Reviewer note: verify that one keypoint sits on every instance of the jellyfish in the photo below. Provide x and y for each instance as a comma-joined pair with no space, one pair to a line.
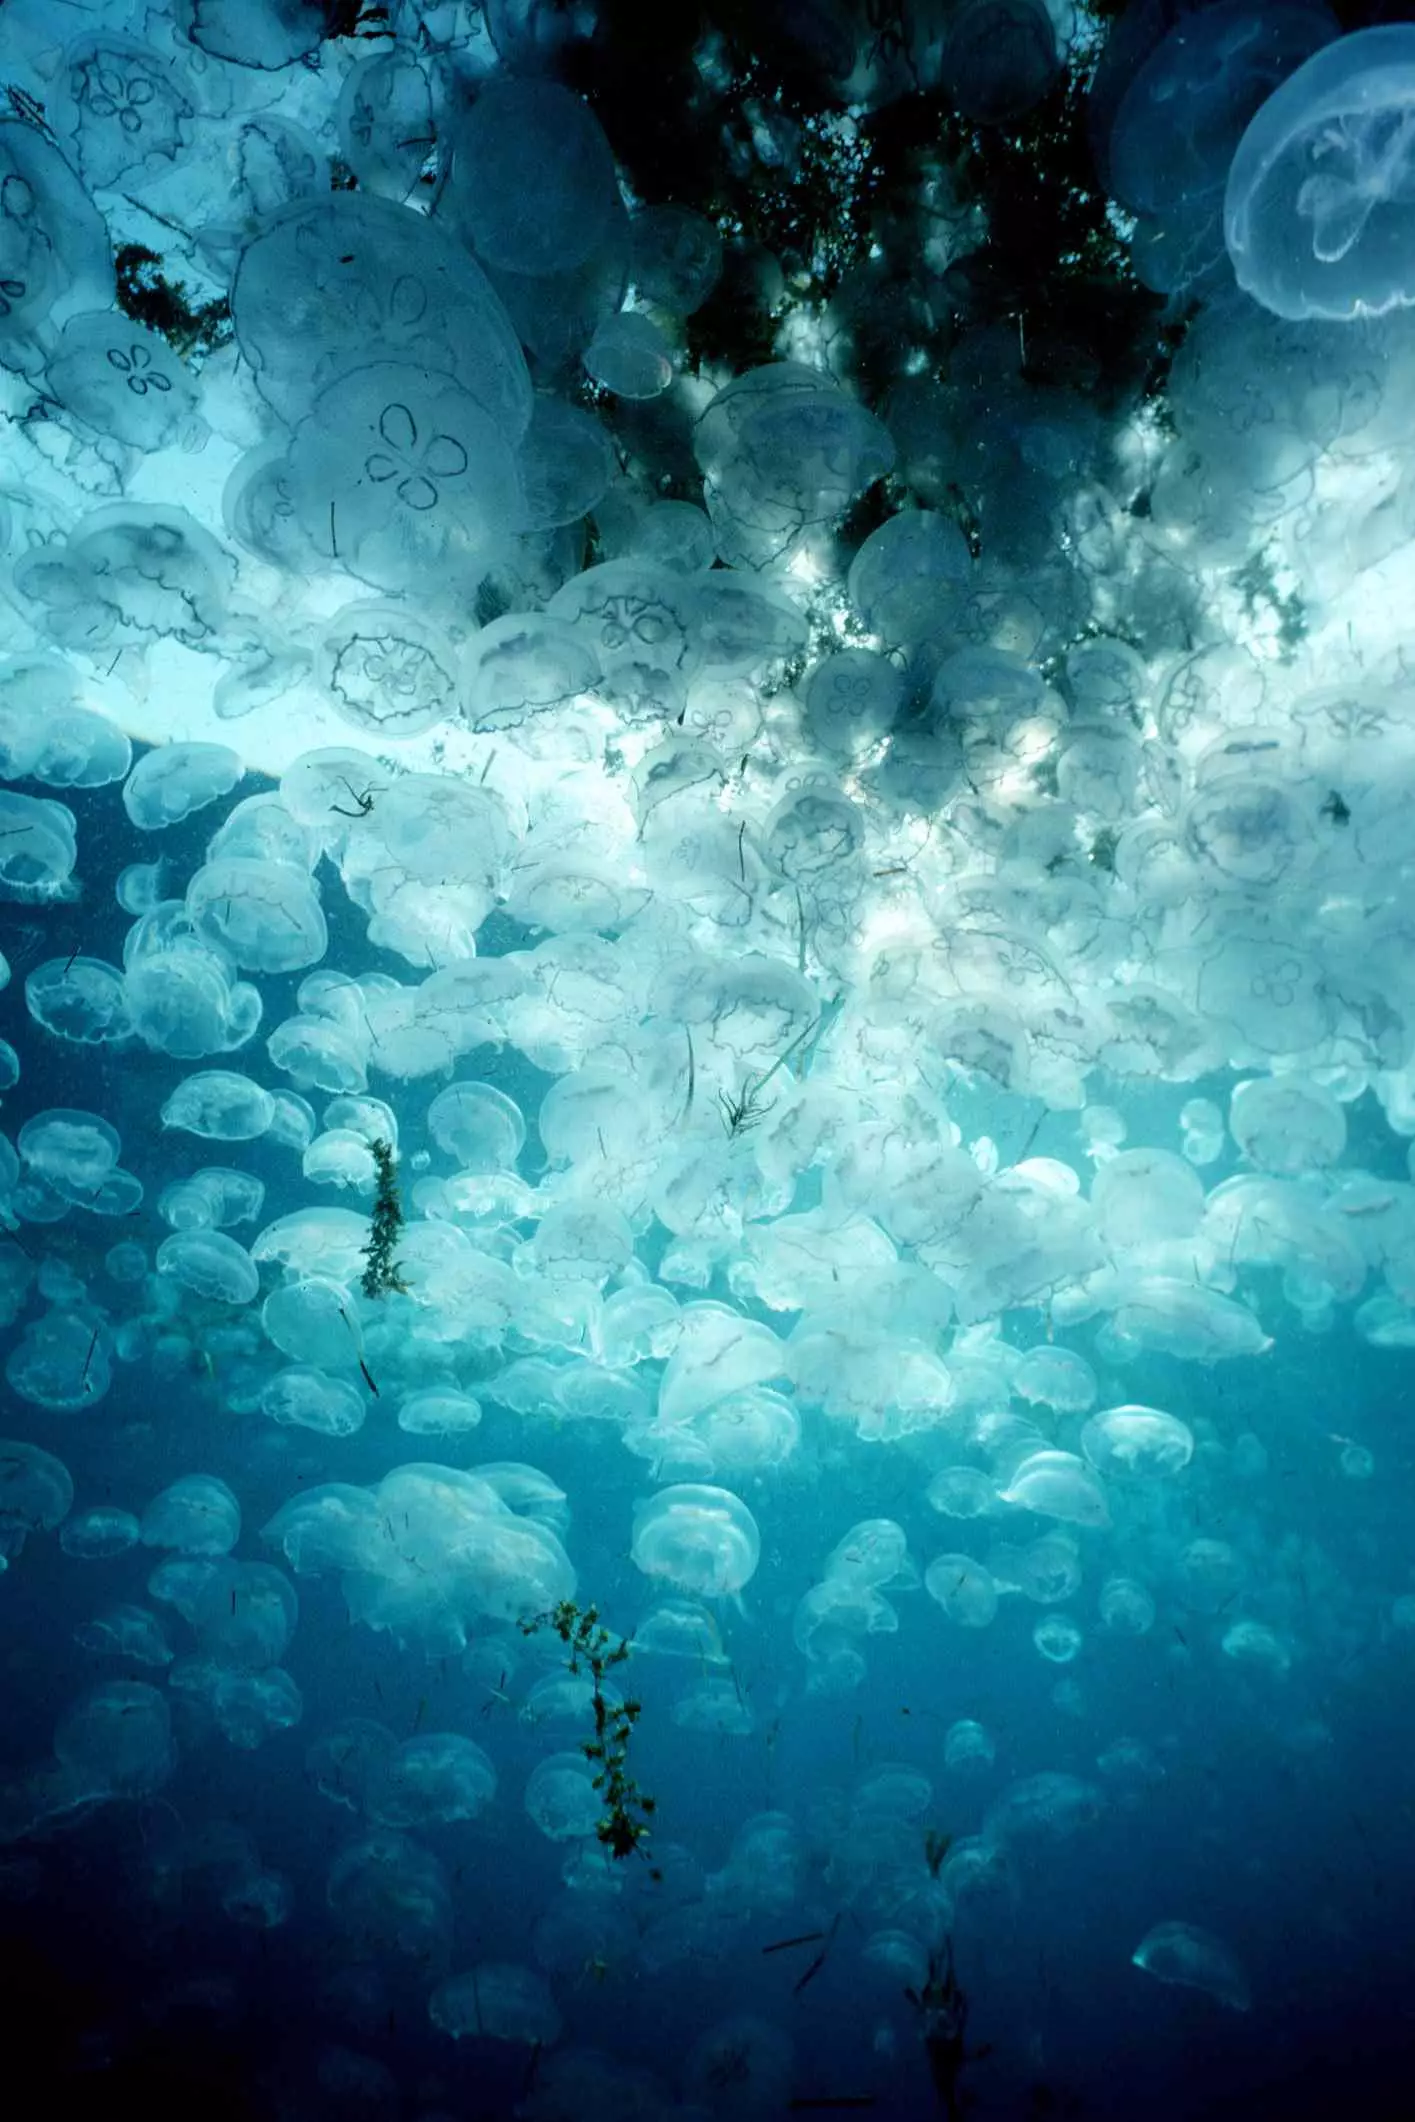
1058,1485
123,380
561,1798
1186,1954
497,2001
55,256
219,1105
197,1515
209,1264
699,1539
1316,211
431,1778
36,1493
1137,1442
118,1739
965,1590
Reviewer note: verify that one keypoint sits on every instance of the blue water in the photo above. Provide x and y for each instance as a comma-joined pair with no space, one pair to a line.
1110,822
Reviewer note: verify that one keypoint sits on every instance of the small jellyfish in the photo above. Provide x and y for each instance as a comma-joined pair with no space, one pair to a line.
210,1265
94,1534
871,1553
561,1798
220,1105
1057,1484
118,1738
701,1540
968,1746
963,1588
36,1492
245,1615
1058,1639
630,356
431,1778
1137,1442
1195,1958
1126,1608
477,1125
304,1397
497,2001
196,1515
126,1632
439,1413
174,780
961,1492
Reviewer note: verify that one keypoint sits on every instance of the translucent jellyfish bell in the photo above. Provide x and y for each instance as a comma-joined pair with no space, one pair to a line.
119,1738
343,281
478,1125
1316,212
126,1632
80,999
968,1746
961,1492
249,1707
678,1629
435,1413
1056,1377
1057,1638
1142,1196
535,177
1287,1124
267,915
746,1430
1126,1607
122,380
432,1778
566,461
965,1590
245,1615
98,1532
220,1105
210,1265
1183,114
388,1894
168,784
304,1397
55,257
871,1553
1141,1442
35,1490
561,1798
1195,1958
699,1539
63,1360
630,356
345,1761
497,2001
197,1515
443,488
38,847
72,1151
1058,1485
211,1199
